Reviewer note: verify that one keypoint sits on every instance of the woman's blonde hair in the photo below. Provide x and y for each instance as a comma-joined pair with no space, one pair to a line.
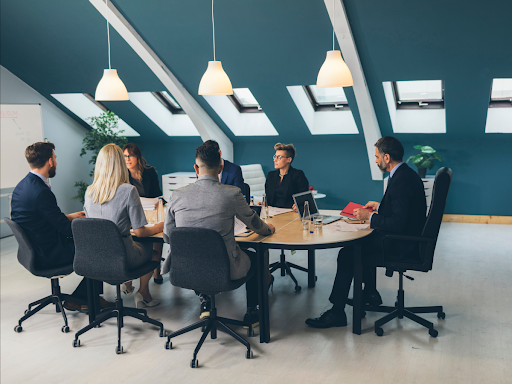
110,172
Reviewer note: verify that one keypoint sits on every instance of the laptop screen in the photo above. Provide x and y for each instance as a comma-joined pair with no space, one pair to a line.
299,200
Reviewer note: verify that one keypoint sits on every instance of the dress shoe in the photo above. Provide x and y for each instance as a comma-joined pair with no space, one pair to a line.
158,280
104,304
125,290
72,306
372,298
328,319
143,303
252,317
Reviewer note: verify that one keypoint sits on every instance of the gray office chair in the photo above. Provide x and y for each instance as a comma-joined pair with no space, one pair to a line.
100,254
27,258
426,246
203,266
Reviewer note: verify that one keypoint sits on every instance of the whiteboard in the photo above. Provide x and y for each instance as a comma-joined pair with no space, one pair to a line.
21,125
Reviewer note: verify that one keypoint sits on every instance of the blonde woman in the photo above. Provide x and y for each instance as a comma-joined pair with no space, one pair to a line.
112,197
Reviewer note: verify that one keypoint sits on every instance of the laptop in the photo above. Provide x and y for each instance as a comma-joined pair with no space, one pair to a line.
299,200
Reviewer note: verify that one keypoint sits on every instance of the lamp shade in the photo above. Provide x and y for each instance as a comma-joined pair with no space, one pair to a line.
334,72
215,81
110,87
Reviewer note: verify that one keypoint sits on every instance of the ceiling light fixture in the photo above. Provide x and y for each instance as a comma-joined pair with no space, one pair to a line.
110,87
215,81
334,71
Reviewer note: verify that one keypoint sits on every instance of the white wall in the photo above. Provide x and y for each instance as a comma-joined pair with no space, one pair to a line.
60,129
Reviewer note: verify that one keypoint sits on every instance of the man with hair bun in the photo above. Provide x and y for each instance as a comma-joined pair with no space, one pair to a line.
209,204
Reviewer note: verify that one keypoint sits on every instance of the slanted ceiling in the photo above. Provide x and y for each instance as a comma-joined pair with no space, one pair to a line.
59,46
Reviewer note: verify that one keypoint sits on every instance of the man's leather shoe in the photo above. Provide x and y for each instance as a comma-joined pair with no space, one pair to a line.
72,306
328,319
104,304
372,298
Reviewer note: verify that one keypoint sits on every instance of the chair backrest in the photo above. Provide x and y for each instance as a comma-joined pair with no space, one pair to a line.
199,260
247,193
442,183
26,253
254,176
100,253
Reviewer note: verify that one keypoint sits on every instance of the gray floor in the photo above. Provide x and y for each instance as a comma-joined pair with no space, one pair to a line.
471,278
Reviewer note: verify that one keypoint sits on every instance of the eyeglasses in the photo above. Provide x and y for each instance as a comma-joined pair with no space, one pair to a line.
129,156
280,157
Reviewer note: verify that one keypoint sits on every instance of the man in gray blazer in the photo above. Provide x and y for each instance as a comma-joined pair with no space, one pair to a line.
209,204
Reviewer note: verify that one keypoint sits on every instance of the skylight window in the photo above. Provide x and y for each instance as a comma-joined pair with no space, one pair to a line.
244,100
422,94
168,102
154,106
327,99
84,106
501,93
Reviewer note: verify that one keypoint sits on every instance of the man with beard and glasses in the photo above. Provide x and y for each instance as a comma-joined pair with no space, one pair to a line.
34,208
401,211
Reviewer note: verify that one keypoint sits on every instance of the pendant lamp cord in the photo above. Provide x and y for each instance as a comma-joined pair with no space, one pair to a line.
213,28
108,32
334,18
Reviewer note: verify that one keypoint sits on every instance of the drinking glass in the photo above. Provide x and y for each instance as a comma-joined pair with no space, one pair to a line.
318,221
151,215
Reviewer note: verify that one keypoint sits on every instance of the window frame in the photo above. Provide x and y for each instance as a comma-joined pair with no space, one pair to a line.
501,102
243,108
318,107
417,104
161,98
99,104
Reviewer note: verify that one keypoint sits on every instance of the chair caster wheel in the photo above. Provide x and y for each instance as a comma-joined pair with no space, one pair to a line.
194,363
18,328
432,332
441,315
298,288
162,333
65,329
26,311
250,332
248,354
119,350
76,343
168,345
379,331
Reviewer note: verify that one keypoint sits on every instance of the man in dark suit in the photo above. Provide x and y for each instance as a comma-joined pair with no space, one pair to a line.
231,173
34,208
401,211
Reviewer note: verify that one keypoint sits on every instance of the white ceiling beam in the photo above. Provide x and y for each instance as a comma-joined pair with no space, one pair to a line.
202,121
348,49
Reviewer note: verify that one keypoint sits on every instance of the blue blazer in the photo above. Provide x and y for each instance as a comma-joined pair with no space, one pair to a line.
34,208
232,175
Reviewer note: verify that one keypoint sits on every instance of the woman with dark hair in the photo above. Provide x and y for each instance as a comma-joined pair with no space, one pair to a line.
145,179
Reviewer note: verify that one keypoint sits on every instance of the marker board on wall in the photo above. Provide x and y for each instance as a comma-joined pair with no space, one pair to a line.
21,125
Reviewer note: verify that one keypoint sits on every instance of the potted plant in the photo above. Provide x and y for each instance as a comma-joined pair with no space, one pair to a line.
424,159
104,131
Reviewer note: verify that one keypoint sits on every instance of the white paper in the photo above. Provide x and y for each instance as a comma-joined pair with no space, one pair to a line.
274,211
148,203
240,227
341,226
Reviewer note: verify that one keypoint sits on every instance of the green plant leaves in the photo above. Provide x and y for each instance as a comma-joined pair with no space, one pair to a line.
418,159
427,149
437,157
418,146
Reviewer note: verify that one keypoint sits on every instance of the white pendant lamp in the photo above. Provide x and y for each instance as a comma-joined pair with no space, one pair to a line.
215,81
110,87
334,71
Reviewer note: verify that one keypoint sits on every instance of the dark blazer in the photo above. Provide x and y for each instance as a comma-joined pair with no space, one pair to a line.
150,182
403,208
34,208
232,175
294,182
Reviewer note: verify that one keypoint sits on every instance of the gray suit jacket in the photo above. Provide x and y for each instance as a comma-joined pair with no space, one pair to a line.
210,204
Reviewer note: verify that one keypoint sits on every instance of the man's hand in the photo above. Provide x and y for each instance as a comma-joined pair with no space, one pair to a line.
362,214
260,203
294,207
372,204
76,215
272,228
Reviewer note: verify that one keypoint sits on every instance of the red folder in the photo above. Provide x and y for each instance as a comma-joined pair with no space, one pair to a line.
349,209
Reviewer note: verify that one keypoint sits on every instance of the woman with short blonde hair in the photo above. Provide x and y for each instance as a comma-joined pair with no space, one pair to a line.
112,197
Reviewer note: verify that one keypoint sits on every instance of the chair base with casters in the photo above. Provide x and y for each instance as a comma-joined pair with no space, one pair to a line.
209,326
119,312
286,269
57,297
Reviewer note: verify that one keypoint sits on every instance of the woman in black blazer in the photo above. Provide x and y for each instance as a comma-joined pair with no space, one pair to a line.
285,181
145,179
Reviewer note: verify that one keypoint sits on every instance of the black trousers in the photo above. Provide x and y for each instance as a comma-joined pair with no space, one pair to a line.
371,254
81,291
